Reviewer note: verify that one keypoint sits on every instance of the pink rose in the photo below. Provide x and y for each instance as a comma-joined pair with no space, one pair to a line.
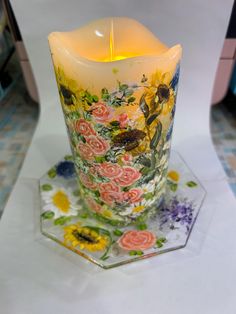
133,195
128,177
86,181
109,187
85,151
98,145
112,197
137,240
101,112
123,119
84,128
92,204
126,158
109,170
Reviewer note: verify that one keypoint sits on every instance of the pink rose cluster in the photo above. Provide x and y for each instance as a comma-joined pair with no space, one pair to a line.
110,192
95,145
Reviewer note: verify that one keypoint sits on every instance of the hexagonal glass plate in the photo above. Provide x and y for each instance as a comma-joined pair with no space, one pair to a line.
66,221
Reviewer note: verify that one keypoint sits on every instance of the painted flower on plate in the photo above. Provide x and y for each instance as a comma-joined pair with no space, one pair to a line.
137,240
86,238
65,169
60,201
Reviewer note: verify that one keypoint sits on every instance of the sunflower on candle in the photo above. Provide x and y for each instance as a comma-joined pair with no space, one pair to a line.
104,135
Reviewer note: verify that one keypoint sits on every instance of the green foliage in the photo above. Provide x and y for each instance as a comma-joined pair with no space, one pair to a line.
191,184
47,215
157,136
46,187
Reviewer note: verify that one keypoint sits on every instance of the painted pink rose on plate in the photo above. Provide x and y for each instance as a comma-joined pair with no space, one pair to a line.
85,151
137,240
110,170
112,197
87,182
133,195
92,204
101,112
109,187
129,176
98,145
83,127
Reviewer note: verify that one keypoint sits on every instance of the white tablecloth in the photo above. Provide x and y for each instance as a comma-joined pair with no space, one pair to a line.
38,276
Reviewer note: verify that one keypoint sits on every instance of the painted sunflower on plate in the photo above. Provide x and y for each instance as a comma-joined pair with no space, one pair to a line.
87,238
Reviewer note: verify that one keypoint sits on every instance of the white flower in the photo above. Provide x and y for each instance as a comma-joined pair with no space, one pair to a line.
60,201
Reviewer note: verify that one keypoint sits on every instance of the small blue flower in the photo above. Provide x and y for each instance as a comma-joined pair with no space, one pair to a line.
169,133
66,169
175,80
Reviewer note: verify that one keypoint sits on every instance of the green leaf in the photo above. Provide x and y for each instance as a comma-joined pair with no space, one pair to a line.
132,253
117,232
173,186
142,226
145,170
143,160
61,220
152,118
162,240
131,99
143,106
100,159
52,173
48,214
123,87
148,196
115,123
159,243
46,187
97,193
95,98
103,258
139,252
128,92
76,193
68,157
157,136
191,184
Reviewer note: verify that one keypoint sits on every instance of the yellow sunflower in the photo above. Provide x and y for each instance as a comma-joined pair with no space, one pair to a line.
160,92
85,237
68,90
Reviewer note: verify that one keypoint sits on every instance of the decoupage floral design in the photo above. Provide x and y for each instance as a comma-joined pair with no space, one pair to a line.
104,240
120,141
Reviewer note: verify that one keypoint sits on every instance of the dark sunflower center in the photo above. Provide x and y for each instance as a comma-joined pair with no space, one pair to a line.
67,95
163,92
129,140
84,237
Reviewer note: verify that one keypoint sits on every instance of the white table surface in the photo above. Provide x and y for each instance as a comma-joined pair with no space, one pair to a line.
38,276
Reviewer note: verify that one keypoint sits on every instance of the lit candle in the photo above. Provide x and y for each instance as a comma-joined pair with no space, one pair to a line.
117,84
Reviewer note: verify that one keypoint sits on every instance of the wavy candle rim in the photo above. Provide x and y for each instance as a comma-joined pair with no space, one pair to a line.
80,43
